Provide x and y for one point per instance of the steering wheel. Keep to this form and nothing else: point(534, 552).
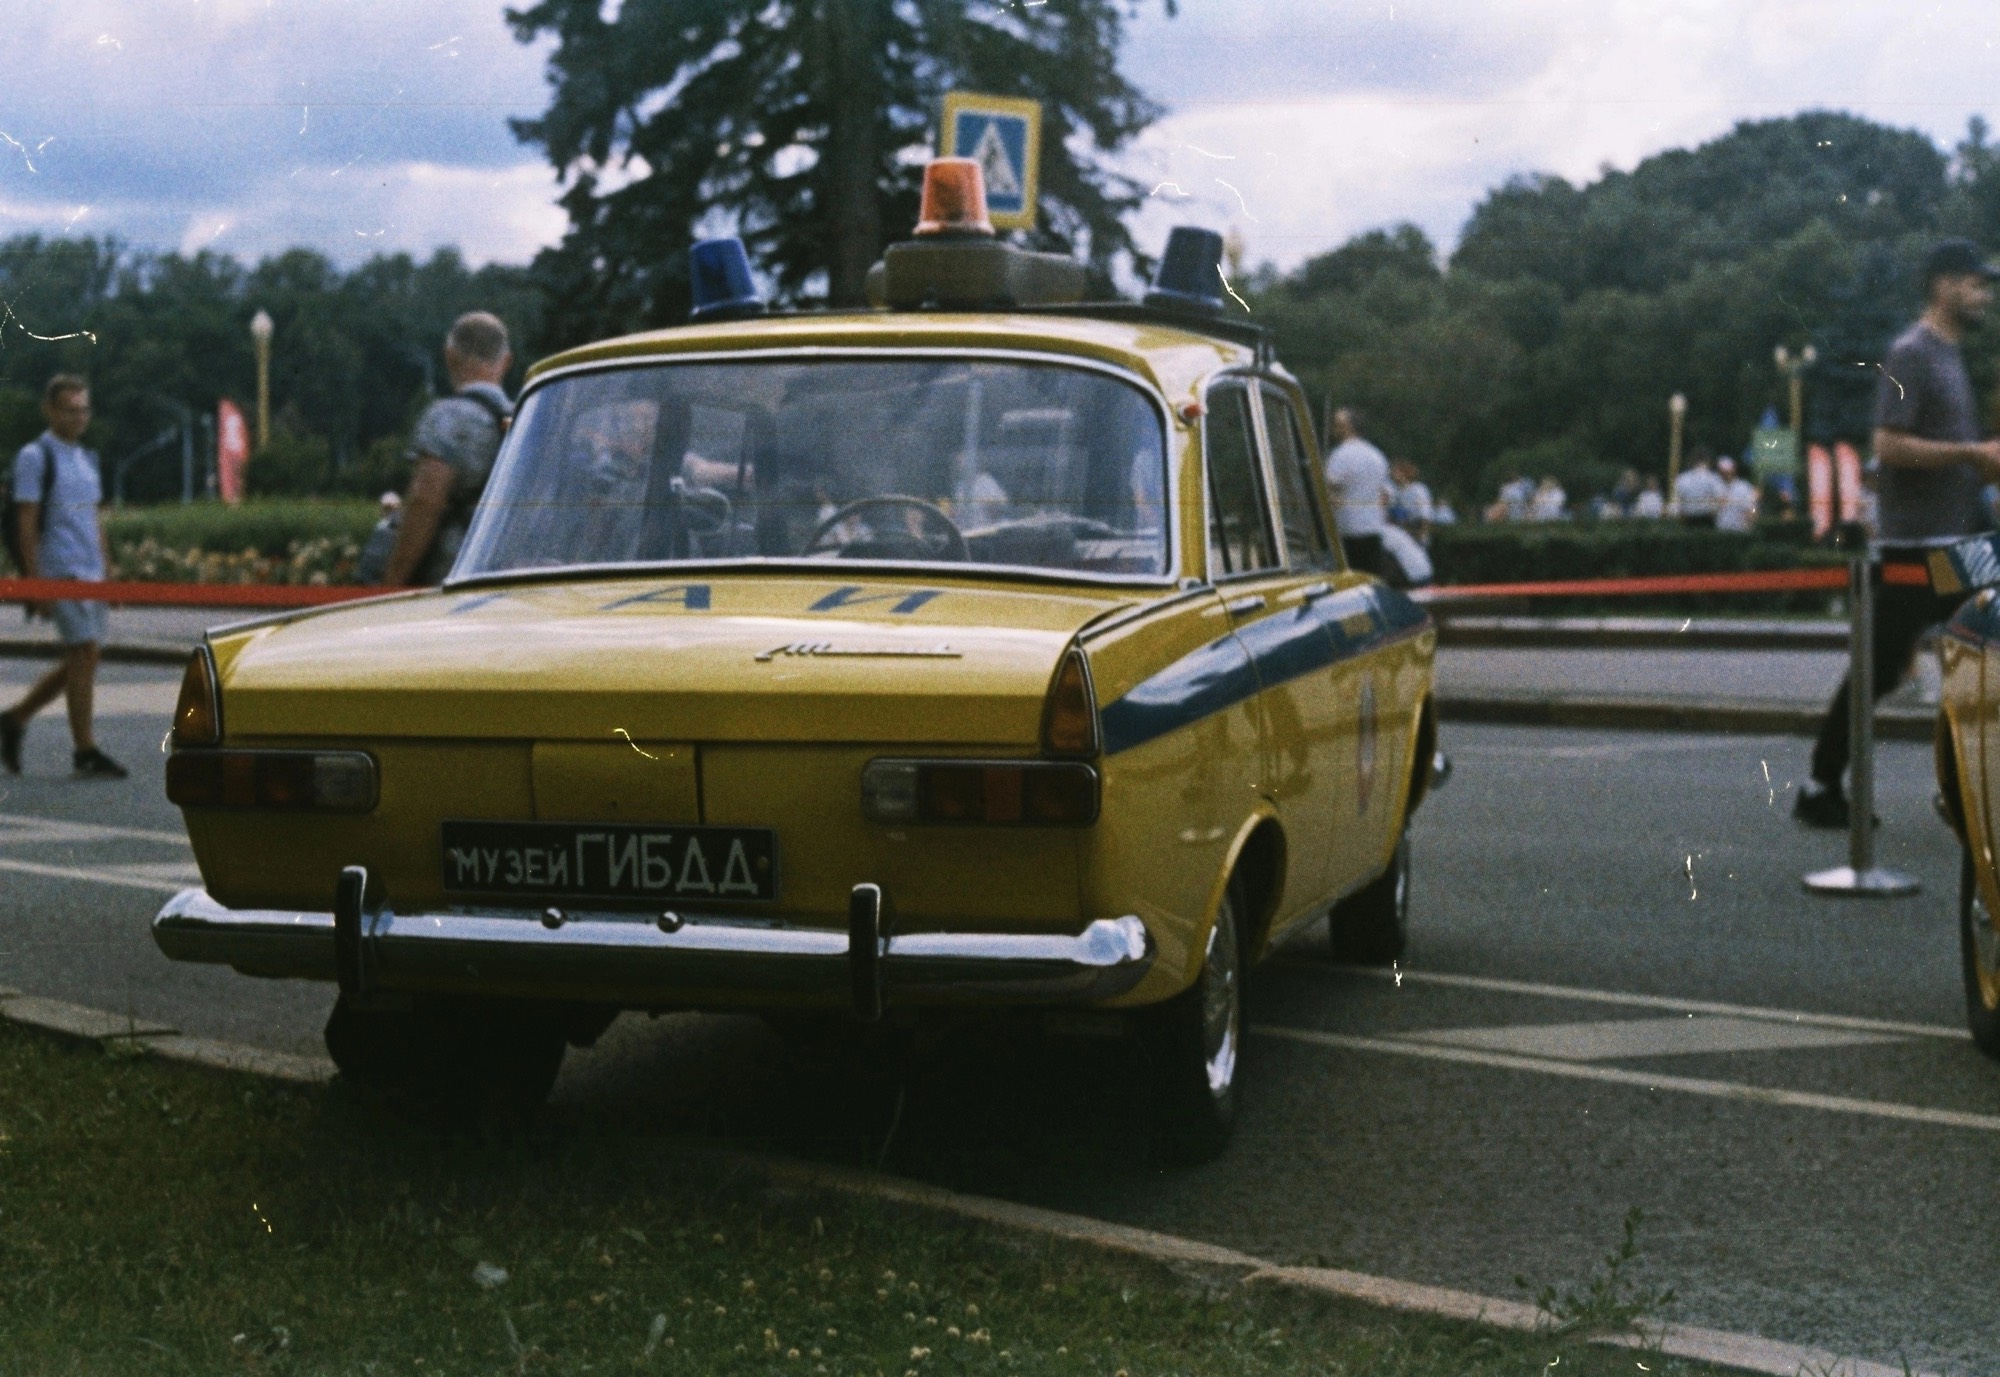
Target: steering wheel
point(951, 545)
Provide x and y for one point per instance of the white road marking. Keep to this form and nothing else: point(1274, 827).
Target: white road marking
point(1608, 1075)
point(1617, 1039)
point(110, 876)
point(1404, 975)
point(1608, 750)
point(61, 829)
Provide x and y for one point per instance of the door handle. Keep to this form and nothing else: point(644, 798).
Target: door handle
point(1245, 605)
point(1312, 592)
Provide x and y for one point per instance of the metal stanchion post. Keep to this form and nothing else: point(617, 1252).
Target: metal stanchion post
point(1861, 877)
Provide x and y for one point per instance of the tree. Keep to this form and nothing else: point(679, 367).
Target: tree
point(801, 125)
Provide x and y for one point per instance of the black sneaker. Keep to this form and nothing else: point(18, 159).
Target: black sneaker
point(11, 733)
point(95, 764)
point(1822, 805)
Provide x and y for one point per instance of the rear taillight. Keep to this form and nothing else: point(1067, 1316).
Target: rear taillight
point(198, 713)
point(1069, 718)
point(323, 781)
point(1016, 793)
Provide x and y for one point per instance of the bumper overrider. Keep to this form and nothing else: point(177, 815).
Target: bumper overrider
point(673, 959)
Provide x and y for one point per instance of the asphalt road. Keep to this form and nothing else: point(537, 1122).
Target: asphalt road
point(1609, 934)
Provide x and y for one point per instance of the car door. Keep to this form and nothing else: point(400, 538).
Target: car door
point(1269, 592)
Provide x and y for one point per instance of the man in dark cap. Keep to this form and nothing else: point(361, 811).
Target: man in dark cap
point(1934, 466)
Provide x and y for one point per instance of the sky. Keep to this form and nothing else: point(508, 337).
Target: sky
point(362, 126)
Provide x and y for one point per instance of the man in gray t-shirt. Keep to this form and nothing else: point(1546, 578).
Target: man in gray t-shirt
point(1933, 468)
point(453, 448)
point(53, 493)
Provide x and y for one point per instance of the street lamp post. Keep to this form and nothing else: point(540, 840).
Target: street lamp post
point(260, 331)
point(1677, 410)
point(1794, 366)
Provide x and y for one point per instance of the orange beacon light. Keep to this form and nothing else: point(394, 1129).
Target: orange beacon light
point(954, 199)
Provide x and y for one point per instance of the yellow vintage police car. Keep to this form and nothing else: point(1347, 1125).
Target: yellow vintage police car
point(989, 648)
point(1968, 777)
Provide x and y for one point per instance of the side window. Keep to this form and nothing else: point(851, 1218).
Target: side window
point(1306, 545)
point(1239, 536)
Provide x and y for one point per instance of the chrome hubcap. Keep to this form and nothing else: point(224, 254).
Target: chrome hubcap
point(1221, 1007)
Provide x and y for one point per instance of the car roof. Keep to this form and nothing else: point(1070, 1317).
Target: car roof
point(1174, 357)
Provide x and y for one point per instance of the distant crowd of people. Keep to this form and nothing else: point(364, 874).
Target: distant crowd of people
point(1711, 492)
point(1386, 512)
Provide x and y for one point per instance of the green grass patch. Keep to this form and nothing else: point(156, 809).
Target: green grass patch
point(267, 525)
point(164, 1219)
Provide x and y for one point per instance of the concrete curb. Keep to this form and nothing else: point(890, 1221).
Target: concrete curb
point(1635, 633)
point(1667, 714)
point(1745, 1352)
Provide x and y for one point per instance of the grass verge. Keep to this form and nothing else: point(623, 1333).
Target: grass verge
point(165, 1219)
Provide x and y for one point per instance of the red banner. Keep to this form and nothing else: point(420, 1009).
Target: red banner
point(1848, 462)
point(1819, 490)
point(232, 450)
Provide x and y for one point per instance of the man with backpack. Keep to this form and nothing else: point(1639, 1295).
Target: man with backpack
point(57, 533)
point(453, 449)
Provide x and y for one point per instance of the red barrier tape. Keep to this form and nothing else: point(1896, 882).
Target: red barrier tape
point(274, 595)
point(306, 595)
point(1769, 581)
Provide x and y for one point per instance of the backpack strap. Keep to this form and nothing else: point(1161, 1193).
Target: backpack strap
point(503, 416)
point(48, 483)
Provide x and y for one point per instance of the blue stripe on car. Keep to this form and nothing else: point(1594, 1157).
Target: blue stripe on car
point(1270, 651)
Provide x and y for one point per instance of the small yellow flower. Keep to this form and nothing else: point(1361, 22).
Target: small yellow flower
point(717, 1238)
point(1062, 1350)
point(720, 1311)
point(980, 1336)
point(889, 1277)
point(919, 1353)
point(791, 1353)
point(749, 1287)
point(826, 1274)
point(950, 1329)
point(972, 1311)
point(832, 1333)
point(880, 1294)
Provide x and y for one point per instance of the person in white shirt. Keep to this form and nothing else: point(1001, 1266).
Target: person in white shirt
point(1649, 504)
point(1738, 511)
point(1550, 502)
point(1698, 492)
point(1357, 479)
point(1410, 504)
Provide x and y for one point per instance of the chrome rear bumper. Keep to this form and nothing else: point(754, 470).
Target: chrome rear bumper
point(689, 960)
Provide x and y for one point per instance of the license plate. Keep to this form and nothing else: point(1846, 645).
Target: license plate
point(602, 860)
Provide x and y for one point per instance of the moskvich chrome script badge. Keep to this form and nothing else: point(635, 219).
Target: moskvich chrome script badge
point(802, 649)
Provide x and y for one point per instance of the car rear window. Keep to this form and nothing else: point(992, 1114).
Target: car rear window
point(989, 462)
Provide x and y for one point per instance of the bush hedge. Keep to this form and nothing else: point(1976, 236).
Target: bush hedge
point(1516, 553)
point(266, 525)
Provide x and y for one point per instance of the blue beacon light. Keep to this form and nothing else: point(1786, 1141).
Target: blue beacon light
point(719, 277)
point(1190, 276)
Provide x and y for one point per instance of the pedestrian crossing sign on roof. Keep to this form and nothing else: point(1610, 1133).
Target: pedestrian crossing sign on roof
point(1005, 136)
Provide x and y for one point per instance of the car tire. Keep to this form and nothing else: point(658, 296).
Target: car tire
point(1196, 1041)
point(1979, 950)
point(1371, 926)
point(450, 1061)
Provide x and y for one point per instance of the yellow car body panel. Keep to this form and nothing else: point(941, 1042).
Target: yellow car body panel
point(1283, 735)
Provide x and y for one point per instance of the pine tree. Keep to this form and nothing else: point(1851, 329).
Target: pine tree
point(803, 126)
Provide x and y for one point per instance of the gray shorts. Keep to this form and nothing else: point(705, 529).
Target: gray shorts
point(81, 623)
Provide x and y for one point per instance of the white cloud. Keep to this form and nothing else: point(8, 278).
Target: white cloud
point(1337, 145)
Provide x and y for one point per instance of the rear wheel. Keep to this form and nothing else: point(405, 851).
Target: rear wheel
point(1979, 947)
point(1372, 925)
point(450, 1060)
point(1196, 1038)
